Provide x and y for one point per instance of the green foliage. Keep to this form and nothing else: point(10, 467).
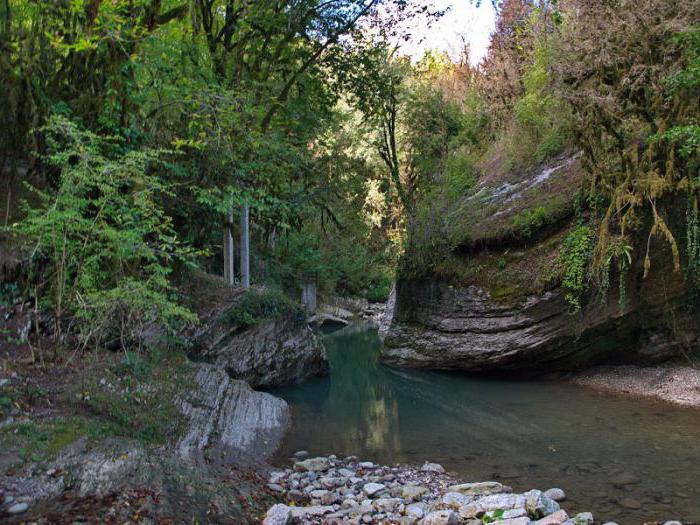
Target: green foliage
point(256, 306)
point(575, 257)
point(693, 248)
point(527, 222)
point(102, 239)
point(134, 398)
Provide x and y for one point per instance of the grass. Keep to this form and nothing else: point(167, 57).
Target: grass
point(43, 440)
point(134, 397)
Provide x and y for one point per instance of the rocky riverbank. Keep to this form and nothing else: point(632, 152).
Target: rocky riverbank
point(330, 490)
point(675, 384)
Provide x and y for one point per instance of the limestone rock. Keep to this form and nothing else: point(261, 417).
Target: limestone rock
point(442, 326)
point(482, 488)
point(271, 353)
point(228, 416)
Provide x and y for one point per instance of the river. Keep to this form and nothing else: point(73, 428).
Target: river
point(623, 459)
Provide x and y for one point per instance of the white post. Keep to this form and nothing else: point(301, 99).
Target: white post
point(245, 246)
point(229, 268)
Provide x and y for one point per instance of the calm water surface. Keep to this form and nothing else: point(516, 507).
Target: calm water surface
point(610, 454)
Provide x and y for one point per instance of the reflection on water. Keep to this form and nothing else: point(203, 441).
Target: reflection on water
point(625, 460)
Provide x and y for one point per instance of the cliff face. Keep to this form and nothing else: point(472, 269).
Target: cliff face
point(495, 303)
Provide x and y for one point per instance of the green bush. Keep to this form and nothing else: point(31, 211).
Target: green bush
point(575, 257)
point(102, 245)
point(527, 222)
point(256, 306)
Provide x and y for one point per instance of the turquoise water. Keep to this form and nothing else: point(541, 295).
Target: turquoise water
point(611, 454)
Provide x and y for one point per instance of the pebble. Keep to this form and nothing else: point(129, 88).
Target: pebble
point(433, 467)
point(555, 494)
point(18, 508)
point(373, 488)
point(440, 517)
point(583, 518)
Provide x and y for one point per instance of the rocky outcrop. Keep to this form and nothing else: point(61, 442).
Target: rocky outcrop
point(271, 353)
point(442, 326)
point(230, 420)
point(226, 433)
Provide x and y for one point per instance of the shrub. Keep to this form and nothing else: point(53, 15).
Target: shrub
point(575, 257)
point(256, 306)
point(527, 222)
point(101, 245)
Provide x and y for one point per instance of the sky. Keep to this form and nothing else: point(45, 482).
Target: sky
point(462, 20)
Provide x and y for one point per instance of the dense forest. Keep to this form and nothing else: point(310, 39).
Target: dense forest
point(141, 139)
point(161, 160)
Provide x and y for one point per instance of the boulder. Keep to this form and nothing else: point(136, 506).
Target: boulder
point(229, 418)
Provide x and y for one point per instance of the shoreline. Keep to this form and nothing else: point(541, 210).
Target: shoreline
point(675, 384)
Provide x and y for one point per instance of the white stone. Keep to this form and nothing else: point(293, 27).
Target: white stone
point(416, 510)
point(501, 502)
point(373, 488)
point(440, 517)
point(413, 492)
point(557, 518)
point(555, 494)
point(433, 467)
point(312, 465)
point(386, 504)
point(278, 515)
point(483, 488)
point(456, 500)
point(583, 518)
point(18, 508)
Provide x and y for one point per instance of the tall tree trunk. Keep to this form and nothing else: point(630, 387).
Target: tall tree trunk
point(245, 246)
point(229, 274)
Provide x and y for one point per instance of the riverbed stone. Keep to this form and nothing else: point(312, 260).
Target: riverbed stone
point(416, 510)
point(311, 511)
point(372, 489)
point(413, 492)
point(556, 518)
point(278, 515)
point(512, 521)
point(319, 464)
point(432, 467)
point(583, 518)
point(482, 488)
point(555, 494)
point(456, 500)
point(386, 504)
point(440, 517)
point(501, 502)
point(18, 508)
